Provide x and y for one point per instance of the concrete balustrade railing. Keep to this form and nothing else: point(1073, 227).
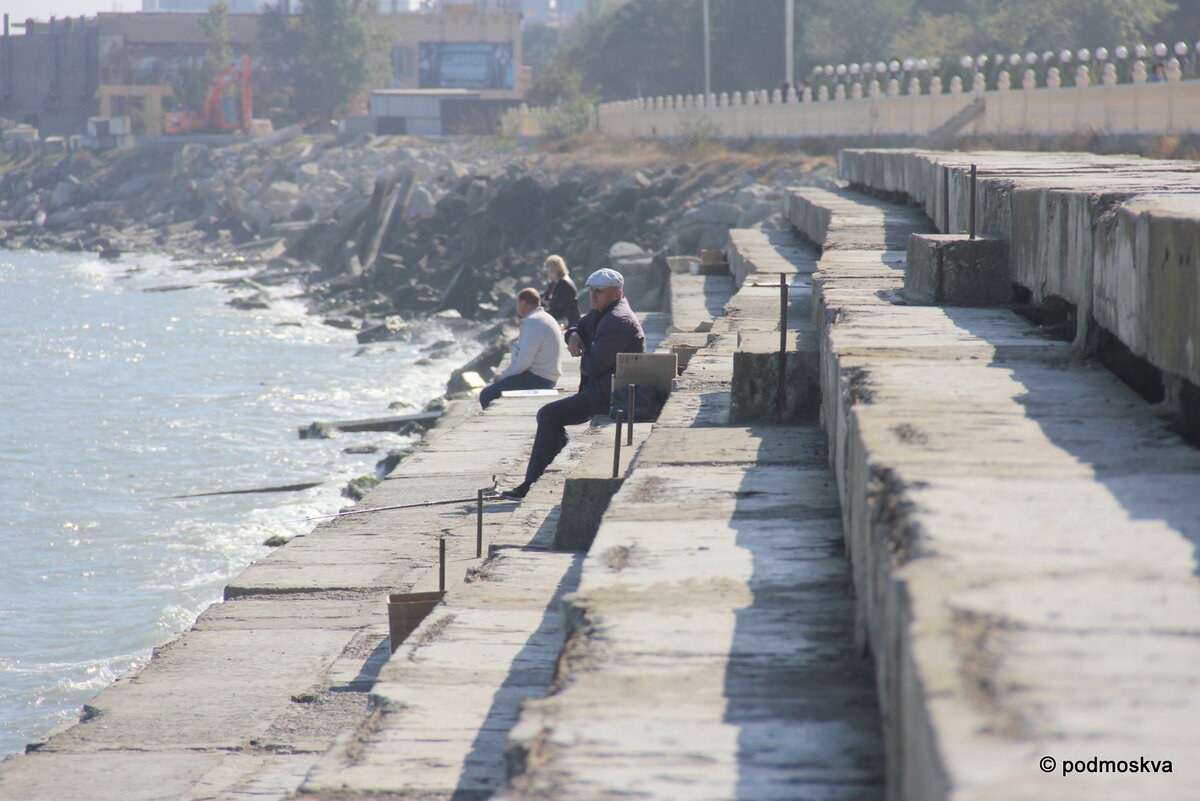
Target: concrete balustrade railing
point(1142, 90)
point(1141, 107)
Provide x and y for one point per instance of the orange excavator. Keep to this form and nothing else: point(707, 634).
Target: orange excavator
point(228, 90)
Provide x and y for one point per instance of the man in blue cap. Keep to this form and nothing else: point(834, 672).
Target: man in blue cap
point(608, 329)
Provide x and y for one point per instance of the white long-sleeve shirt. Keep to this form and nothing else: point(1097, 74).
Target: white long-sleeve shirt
point(538, 348)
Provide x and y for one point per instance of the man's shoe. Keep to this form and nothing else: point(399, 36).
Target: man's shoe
point(517, 493)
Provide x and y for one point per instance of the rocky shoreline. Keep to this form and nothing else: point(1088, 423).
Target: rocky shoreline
point(379, 226)
point(384, 231)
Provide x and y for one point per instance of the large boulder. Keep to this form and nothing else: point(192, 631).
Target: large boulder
point(644, 280)
point(421, 204)
point(623, 250)
point(518, 206)
point(64, 193)
point(756, 213)
point(706, 226)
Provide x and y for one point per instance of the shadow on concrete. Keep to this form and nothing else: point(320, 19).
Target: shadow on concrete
point(1139, 457)
point(369, 672)
point(718, 289)
point(713, 411)
point(799, 689)
point(530, 676)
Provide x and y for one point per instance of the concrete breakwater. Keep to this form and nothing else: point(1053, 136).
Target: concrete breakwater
point(1021, 524)
point(200, 717)
point(1105, 247)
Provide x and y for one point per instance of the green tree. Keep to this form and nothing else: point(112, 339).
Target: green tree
point(214, 26)
point(561, 87)
point(655, 47)
point(934, 35)
point(1017, 25)
point(191, 79)
point(539, 44)
point(1184, 22)
point(324, 57)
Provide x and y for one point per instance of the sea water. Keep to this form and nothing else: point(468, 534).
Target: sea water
point(124, 385)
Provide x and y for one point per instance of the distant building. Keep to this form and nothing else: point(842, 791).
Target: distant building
point(56, 75)
point(385, 6)
point(458, 49)
point(557, 13)
point(48, 75)
point(201, 6)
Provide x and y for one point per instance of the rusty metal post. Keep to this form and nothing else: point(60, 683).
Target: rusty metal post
point(478, 524)
point(617, 447)
point(971, 230)
point(632, 414)
point(441, 564)
point(945, 200)
point(781, 379)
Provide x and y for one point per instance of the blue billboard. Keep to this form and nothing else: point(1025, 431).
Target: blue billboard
point(465, 65)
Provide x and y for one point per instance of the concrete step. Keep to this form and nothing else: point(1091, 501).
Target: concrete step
point(589, 488)
point(710, 649)
point(445, 701)
point(756, 313)
point(838, 219)
point(756, 251)
point(242, 705)
point(1020, 525)
point(442, 706)
point(1115, 237)
point(697, 299)
point(761, 257)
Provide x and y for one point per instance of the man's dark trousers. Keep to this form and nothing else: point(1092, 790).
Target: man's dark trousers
point(551, 434)
point(525, 380)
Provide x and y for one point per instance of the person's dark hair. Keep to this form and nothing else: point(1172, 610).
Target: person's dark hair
point(530, 296)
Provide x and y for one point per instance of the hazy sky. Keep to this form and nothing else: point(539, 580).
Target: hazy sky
point(45, 9)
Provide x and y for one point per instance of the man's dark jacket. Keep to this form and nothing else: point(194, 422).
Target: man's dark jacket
point(605, 334)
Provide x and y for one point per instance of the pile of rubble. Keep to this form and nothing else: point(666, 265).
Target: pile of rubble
point(388, 225)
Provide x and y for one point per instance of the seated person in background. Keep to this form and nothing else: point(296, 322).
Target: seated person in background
point(535, 355)
point(608, 329)
point(560, 297)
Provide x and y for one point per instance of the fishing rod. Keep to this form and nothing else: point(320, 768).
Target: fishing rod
point(385, 509)
point(490, 493)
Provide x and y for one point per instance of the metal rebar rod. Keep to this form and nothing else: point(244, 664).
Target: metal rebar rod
point(478, 524)
point(441, 564)
point(945, 200)
point(781, 379)
point(632, 414)
point(971, 230)
point(617, 447)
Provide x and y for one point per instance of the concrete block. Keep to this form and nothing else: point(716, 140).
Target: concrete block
point(952, 270)
point(837, 219)
point(585, 500)
point(1147, 289)
point(755, 392)
point(590, 486)
point(771, 252)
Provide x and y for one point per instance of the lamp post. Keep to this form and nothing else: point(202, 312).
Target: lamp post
point(707, 57)
point(789, 42)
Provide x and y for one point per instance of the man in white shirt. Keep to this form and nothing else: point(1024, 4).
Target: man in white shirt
point(535, 355)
